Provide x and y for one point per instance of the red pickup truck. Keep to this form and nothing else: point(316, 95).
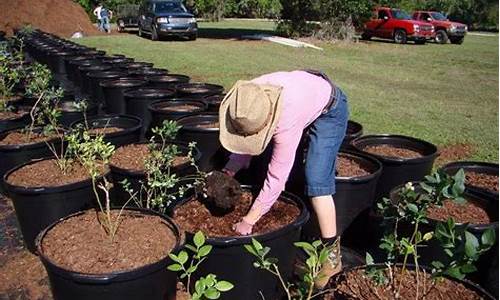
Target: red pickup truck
point(397, 25)
point(445, 29)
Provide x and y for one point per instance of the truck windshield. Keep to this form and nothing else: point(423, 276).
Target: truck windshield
point(438, 16)
point(169, 7)
point(400, 15)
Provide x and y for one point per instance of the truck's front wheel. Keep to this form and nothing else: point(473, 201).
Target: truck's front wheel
point(400, 36)
point(457, 40)
point(441, 37)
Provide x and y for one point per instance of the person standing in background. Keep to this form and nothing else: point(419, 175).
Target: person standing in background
point(97, 13)
point(106, 15)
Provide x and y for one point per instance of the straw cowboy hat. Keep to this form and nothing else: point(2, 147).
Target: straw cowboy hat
point(248, 116)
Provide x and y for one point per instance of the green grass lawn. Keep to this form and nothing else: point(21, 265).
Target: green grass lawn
point(446, 94)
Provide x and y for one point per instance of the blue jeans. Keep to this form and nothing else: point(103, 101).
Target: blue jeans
point(325, 137)
point(105, 24)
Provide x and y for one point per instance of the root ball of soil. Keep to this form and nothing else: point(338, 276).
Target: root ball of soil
point(223, 190)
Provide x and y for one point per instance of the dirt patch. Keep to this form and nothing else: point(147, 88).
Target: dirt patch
point(454, 152)
point(392, 151)
point(61, 17)
point(80, 243)
point(24, 138)
point(481, 180)
point(133, 157)
point(349, 167)
point(469, 212)
point(194, 216)
point(356, 285)
point(47, 173)
point(104, 130)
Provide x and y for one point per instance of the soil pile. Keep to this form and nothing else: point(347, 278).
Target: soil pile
point(60, 17)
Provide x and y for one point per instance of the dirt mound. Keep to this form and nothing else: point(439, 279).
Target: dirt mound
point(60, 17)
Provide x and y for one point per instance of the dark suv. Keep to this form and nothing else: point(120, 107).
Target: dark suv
point(166, 18)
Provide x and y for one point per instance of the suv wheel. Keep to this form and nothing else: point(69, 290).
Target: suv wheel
point(441, 37)
point(457, 41)
point(400, 36)
point(154, 33)
point(192, 37)
point(365, 36)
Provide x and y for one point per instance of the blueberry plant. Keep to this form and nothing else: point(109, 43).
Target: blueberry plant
point(162, 185)
point(410, 207)
point(208, 287)
point(317, 256)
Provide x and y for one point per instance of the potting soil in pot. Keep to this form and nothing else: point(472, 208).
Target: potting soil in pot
point(80, 244)
point(193, 216)
point(392, 151)
point(481, 180)
point(22, 138)
point(469, 212)
point(357, 285)
point(47, 173)
point(347, 166)
point(133, 157)
point(178, 107)
point(207, 125)
point(104, 130)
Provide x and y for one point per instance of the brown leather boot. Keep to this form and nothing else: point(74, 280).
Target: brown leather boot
point(331, 267)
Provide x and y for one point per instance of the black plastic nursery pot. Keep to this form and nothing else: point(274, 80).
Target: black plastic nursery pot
point(135, 177)
point(152, 282)
point(174, 109)
point(38, 207)
point(214, 102)
point(129, 133)
point(395, 170)
point(72, 111)
point(114, 100)
point(167, 81)
point(95, 79)
point(354, 130)
point(353, 195)
point(85, 71)
point(204, 130)
point(476, 167)
point(337, 279)
point(70, 65)
point(144, 73)
point(59, 66)
point(138, 100)
point(19, 120)
point(77, 74)
point(229, 260)
point(198, 90)
point(14, 155)
point(117, 60)
point(126, 66)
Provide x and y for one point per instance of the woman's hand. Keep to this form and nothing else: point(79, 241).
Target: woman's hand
point(243, 227)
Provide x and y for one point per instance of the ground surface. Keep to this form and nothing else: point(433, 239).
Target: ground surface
point(446, 94)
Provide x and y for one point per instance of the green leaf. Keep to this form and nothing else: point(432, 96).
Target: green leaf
point(317, 243)
point(199, 286)
point(323, 255)
point(256, 245)
point(174, 257)
point(412, 207)
point(212, 293)
point(369, 259)
point(437, 264)
point(190, 247)
point(471, 244)
point(183, 257)
point(428, 236)
point(305, 246)
point(250, 249)
point(205, 250)
point(175, 267)
point(191, 269)
point(488, 237)
point(311, 262)
point(455, 273)
point(468, 268)
point(224, 286)
point(199, 239)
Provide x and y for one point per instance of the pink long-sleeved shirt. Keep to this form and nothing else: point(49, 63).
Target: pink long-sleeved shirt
point(304, 98)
